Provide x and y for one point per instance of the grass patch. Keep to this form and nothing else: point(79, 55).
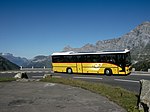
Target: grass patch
point(4, 79)
point(122, 97)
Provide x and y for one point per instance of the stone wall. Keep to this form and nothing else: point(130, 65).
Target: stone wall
point(144, 101)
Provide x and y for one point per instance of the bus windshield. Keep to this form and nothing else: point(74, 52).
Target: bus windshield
point(124, 59)
point(128, 59)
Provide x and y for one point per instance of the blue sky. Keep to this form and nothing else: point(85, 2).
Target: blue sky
point(40, 27)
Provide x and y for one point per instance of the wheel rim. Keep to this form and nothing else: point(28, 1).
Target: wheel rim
point(107, 72)
point(69, 70)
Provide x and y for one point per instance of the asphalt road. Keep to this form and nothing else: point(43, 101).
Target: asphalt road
point(130, 82)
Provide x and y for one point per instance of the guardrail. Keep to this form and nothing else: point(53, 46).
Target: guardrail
point(133, 70)
point(36, 69)
point(33, 68)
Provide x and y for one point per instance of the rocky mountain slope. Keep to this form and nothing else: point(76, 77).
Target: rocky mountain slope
point(39, 62)
point(7, 65)
point(17, 60)
point(138, 41)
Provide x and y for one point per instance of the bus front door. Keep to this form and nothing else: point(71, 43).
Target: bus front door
point(79, 68)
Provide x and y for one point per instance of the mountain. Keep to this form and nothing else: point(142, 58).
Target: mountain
point(7, 65)
point(39, 62)
point(137, 40)
point(17, 60)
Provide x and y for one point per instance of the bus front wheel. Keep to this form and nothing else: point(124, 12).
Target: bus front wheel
point(69, 70)
point(108, 71)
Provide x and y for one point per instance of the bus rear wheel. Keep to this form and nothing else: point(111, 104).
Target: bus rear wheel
point(69, 70)
point(108, 72)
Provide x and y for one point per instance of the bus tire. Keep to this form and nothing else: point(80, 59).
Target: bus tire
point(69, 70)
point(108, 72)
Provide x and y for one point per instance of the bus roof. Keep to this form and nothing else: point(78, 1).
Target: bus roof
point(84, 53)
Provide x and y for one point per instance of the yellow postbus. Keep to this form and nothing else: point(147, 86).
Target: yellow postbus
point(105, 62)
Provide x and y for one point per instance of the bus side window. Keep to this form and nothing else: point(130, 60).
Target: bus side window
point(88, 58)
point(96, 58)
point(69, 59)
point(56, 59)
point(103, 58)
point(79, 58)
point(121, 60)
point(73, 58)
point(112, 59)
point(84, 58)
point(61, 59)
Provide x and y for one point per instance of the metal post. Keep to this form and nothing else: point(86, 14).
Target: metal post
point(20, 67)
point(133, 69)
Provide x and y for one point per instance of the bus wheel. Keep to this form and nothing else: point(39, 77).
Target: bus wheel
point(108, 72)
point(69, 70)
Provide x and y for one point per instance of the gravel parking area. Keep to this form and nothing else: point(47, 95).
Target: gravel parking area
point(51, 97)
